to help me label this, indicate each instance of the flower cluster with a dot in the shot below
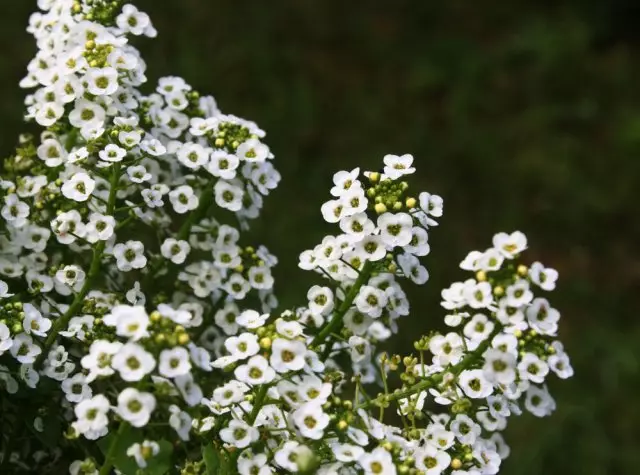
(139, 334)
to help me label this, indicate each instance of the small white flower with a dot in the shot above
(133, 21)
(174, 362)
(253, 151)
(79, 187)
(135, 407)
(228, 196)
(223, 165)
(543, 277)
(92, 414)
(320, 300)
(183, 199)
(251, 319)
(174, 250)
(193, 155)
(255, 371)
(133, 362)
(510, 245)
(287, 355)
(87, 115)
(102, 81)
(474, 384)
(145, 451)
(371, 301)
(129, 322)
(446, 349)
(138, 174)
(129, 255)
(112, 153)
(71, 276)
(397, 166)
(395, 229)
(239, 434)
(532, 368)
(99, 227)
(378, 462)
(345, 181)
(14, 211)
(311, 420)
(431, 460)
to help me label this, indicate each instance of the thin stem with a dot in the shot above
(435, 379)
(335, 324)
(108, 460)
(94, 270)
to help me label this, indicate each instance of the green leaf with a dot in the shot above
(211, 459)
(158, 465)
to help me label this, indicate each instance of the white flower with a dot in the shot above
(397, 166)
(532, 368)
(478, 328)
(4, 290)
(395, 229)
(99, 227)
(193, 155)
(465, 430)
(332, 211)
(347, 452)
(76, 388)
(559, 363)
(542, 317)
(14, 211)
(378, 462)
(24, 349)
(129, 139)
(71, 275)
(431, 460)
(79, 187)
(478, 294)
(130, 322)
(287, 355)
(345, 181)
(223, 165)
(135, 407)
(86, 115)
(180, 421)
(431, 205)
(499, 366)
(228, 196)
(242, 346)
(371, 248)
(129, 255)
(251, 319)
(510, 244)
(92, 414)
(174, 250)
(239, 434)
(51, 152)
(183, 199)
(539, 402)
(5, 338)
(98, 359)
(174, 362)
(354, 202)
(371, 301)
(138, 174)
(412, 268)
(256, 371)
(518, 294)
(446, 349)
(543, 277)
(133, 362)
(112, 153)
(133, 21)
(253, 151)
(102, 81)
(148, 449)
(34, 323)
(474, 384)
(320, 300)
(311, 420)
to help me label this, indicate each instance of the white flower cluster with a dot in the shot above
(136, 319)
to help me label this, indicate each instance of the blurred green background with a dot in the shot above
(521, 114)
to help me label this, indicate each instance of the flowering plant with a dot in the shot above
(139, 334)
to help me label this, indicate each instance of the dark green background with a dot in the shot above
(521, 114)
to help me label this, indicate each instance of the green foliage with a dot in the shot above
(157, 465)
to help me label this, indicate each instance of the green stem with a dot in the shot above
(435, 379)
(108, 459)
(94, 270)
(206, 198)
(335, 324)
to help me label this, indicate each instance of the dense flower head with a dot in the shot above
(133, 310)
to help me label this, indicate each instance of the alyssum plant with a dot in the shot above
(138, 333)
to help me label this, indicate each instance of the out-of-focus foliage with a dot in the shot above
(521, 114)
